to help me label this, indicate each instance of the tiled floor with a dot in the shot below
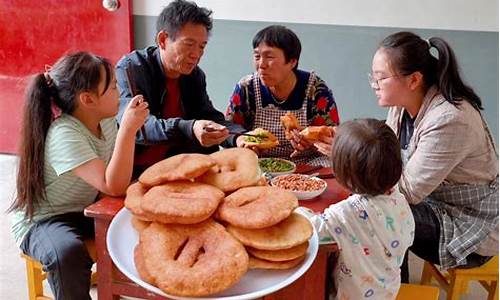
(13, 274)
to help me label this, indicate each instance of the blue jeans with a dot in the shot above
(426, 242)
(58, 244)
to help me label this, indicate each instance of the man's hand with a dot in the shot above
(209, 133)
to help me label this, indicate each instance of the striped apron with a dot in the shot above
(269, 118)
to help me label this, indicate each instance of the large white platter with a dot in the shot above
(122, 239)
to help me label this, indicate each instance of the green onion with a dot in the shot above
(274, 165)
(258, 138)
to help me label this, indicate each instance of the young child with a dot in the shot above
(374, 226)
(66, 161)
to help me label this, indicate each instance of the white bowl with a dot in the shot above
(302, 195)
(274, 174)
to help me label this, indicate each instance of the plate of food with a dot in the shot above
(305, 187)
(122, 239)
(276, 166)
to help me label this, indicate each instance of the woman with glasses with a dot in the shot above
(278, 87)
(450, 175)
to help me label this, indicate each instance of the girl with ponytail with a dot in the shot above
(450, 174)
(71, 149)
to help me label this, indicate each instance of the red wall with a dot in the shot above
(36, 33)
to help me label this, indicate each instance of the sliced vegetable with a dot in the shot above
(274, 165)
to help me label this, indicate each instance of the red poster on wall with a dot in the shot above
(36, 33)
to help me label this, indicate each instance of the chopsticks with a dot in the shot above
(133, 92)
(315, 168)
(210, 129)
(241, 133)
(326, 176)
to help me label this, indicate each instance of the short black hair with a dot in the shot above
(281, 37)
(366, 156)
(180, 12)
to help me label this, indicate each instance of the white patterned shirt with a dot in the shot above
(372, 234)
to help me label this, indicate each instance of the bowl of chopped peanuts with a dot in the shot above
(305, 187)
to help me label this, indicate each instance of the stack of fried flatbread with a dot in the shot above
(183, 250)
(274, 236)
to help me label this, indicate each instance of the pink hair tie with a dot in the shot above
(48, 79)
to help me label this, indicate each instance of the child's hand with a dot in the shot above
(325, 145)
(135, 114)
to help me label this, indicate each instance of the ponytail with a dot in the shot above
(450, 83)
(409, 53)
(37, 116)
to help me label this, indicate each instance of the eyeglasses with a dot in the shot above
(375, 82)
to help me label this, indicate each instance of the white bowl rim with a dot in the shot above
(325, 184)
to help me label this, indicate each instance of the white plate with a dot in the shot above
(304, 195)
(122, 239)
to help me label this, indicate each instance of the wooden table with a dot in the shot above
(111, 283)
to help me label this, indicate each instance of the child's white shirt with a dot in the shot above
(372, 234)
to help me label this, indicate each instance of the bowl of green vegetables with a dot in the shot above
(276, 166)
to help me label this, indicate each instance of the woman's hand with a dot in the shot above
(325, 145)
(299, 143)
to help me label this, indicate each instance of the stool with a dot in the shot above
(417, 292)
(455, 281)
(36, 275)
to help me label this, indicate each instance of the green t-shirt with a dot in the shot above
(69, 144)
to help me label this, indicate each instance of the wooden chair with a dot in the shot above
(36, 275)
(455, 281)
(417, 292)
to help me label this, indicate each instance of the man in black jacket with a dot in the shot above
(182, 118)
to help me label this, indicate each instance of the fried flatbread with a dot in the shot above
(138, 224)
(280, 255)
(315, 133)
(141, 267)
(262, 139)
(290, 232)
(289, 122)
(182, 202)
(179, 167)
(257, 263)
(257, 207)
(192, 260)
(236, 168)
(133, 199)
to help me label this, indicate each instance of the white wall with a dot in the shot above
(478, 15)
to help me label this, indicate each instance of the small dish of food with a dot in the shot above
(305, 187)
(276, 166)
